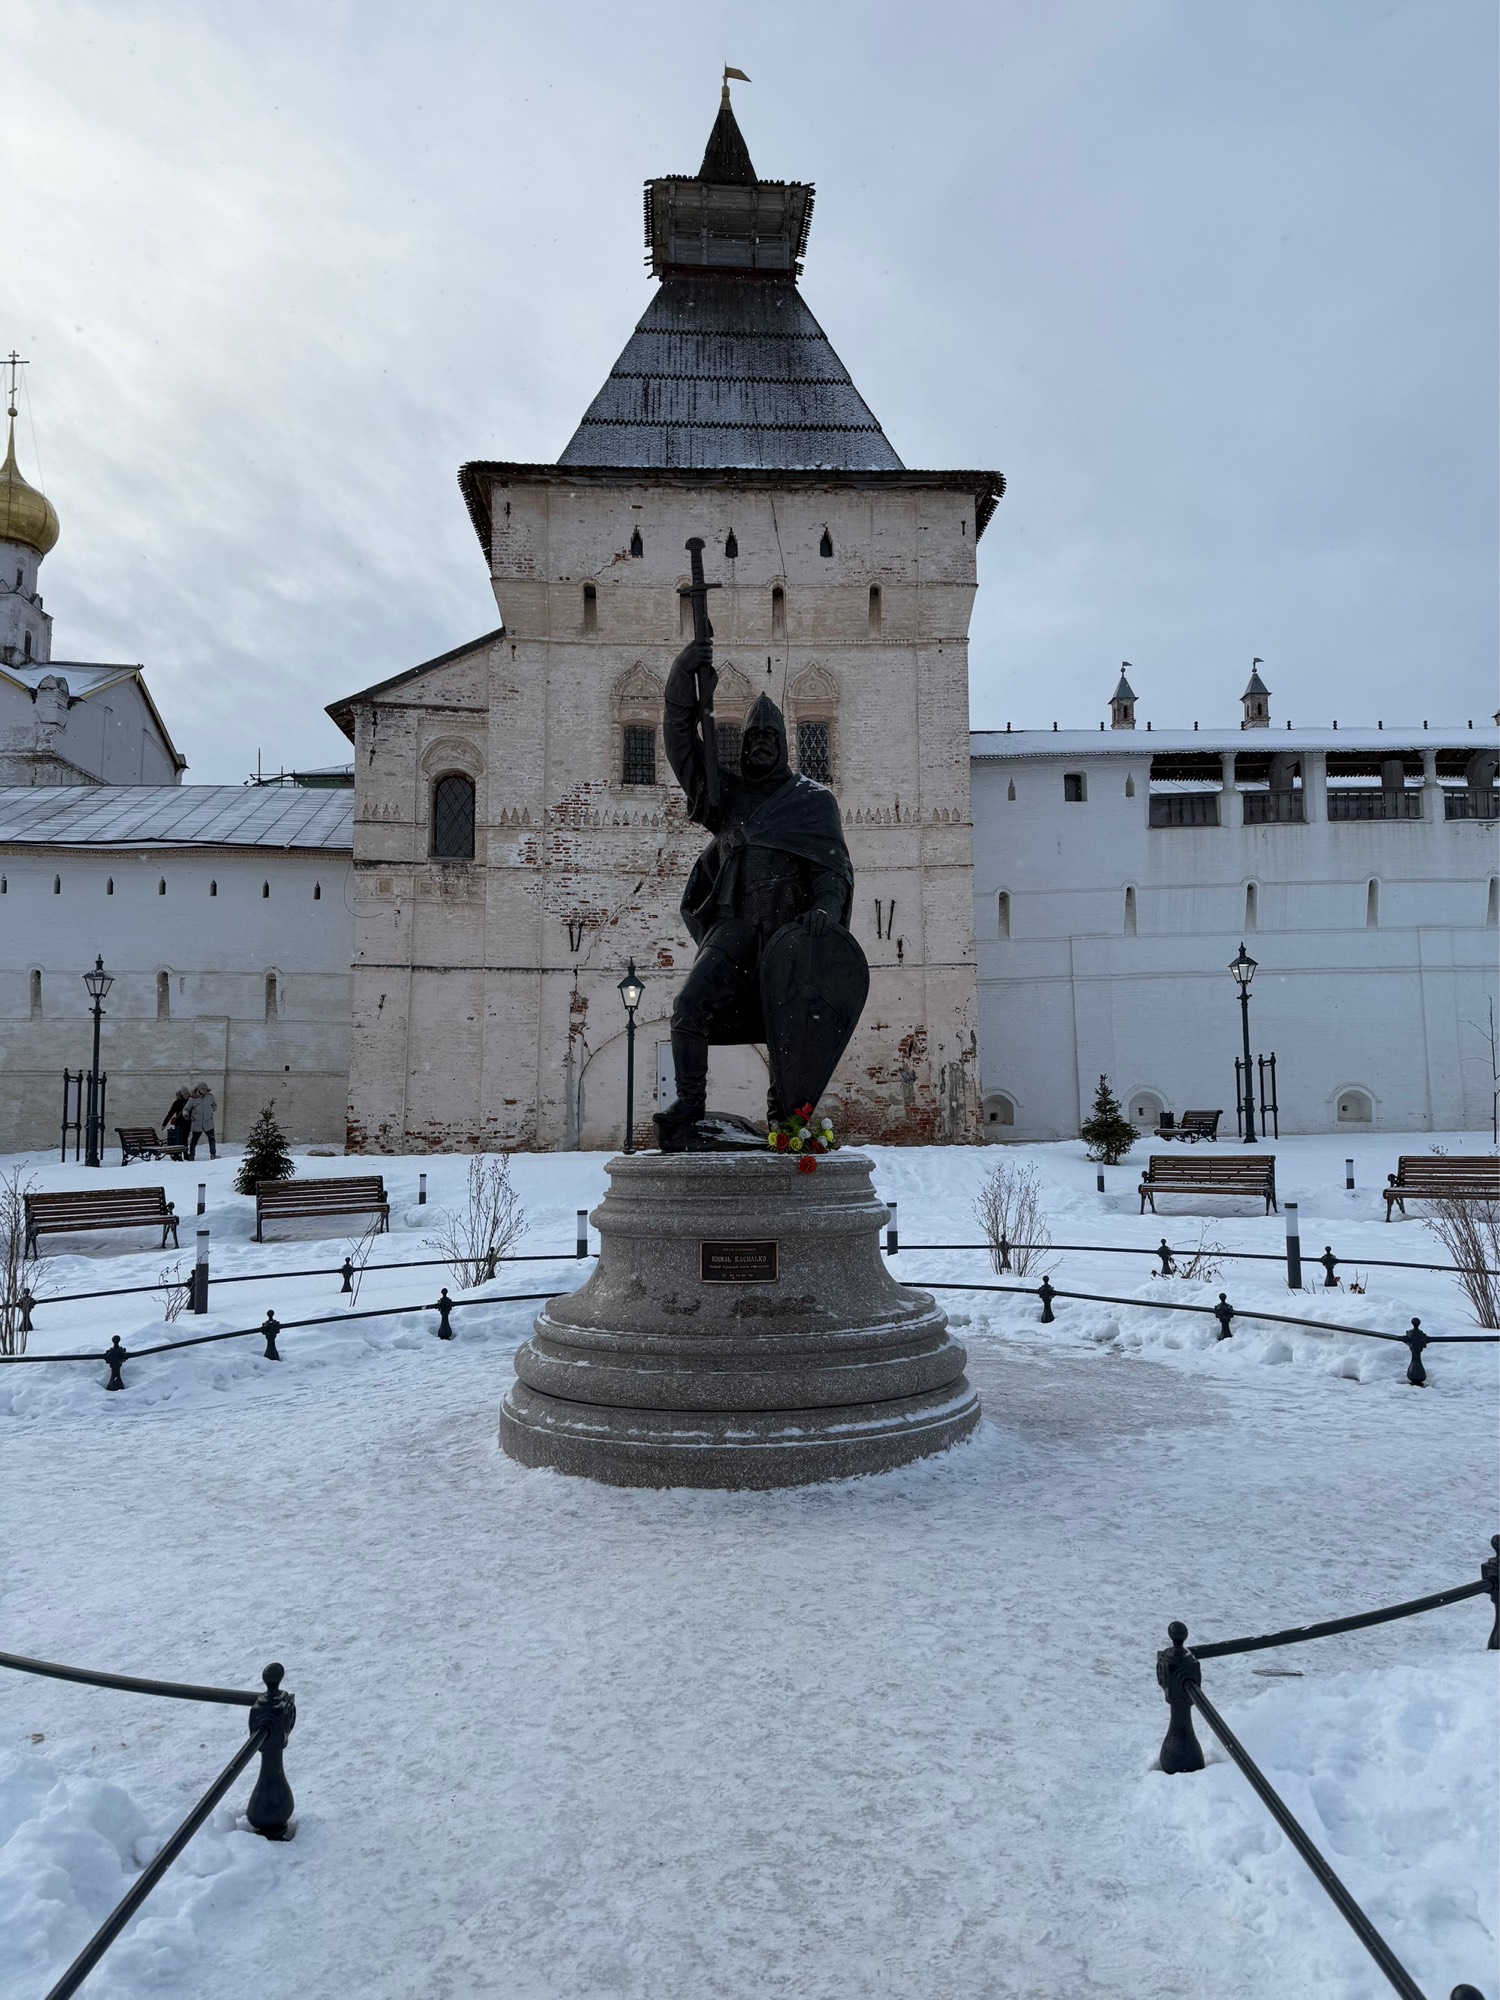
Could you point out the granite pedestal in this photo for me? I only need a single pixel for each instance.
(741, 1329)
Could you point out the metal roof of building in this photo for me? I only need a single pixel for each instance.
(728, 371)
(281, 816)
(1139, 742)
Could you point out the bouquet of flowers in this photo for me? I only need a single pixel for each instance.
(804, 1135)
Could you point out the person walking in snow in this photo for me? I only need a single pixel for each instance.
(204, 1111)
(176, 1123)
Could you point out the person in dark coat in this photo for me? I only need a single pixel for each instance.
(176, 1123)
(778, 857)
(201, 1118)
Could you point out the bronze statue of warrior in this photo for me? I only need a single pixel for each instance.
(767, 903)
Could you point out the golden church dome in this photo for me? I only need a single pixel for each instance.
(25, 515)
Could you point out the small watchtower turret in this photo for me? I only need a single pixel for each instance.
(1257, 700)
(1122, 702)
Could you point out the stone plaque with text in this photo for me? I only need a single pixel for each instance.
(737, 1263)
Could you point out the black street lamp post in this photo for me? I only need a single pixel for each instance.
(98, 983)
(631, 988)
(1243, 969)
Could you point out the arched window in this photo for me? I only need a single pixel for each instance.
(161, 886)
(825, 546)
(265, 890)
(1252, 905)
(109, 886)
(273, 997)
(1004, 909)
(874, 607)
(1010, 791)
(1129, 785)
(731, 548)
(638, 760)
(213, 888)
(36, 995)
(1372, 906)
(778, 612)
(317, 892)
(637, 546)
(1355, 1107)
(26, 648)
(815, 750)
(813, 699)
(999, 1109)
(1491, 915)
(57, 885)
(1129, 911)
(163, 996)
(453, 818)
(4, 886)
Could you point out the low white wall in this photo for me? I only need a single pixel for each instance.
(216, 950)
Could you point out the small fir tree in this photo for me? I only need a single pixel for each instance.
(266, 1157)
(1107, 1132)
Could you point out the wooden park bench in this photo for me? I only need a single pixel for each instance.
(1442, 1177)
(350, 1194)
(1217, 1173)
(139, 1142)
(99, 1208)
(1192, 1126)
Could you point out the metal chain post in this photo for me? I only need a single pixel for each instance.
(116, 1355)
(1176, 1670)
(346, 1272)
(1415, 1340)
(1224, 1313)
(271, 1803)
(443, 1308)
(1168, 1268)
(271, 1328)
(1330, 1265)
(1046, 1294)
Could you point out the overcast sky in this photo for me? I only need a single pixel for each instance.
(1214, 285)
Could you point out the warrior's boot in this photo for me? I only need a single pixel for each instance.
(676, 1126)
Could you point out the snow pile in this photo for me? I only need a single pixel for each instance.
(1393, 1774)
(70, 1847)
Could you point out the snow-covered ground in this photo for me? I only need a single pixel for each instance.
(890, 1737)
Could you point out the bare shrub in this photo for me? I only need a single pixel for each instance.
(474, 1239)
(17, 1266)
(1204, 1261)
(357, 1255)
(1470, 1232)
(1008, 1208)
(176, 1292)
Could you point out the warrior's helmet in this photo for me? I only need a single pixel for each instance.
(765, 715)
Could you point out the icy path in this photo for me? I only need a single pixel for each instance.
(885, 1739)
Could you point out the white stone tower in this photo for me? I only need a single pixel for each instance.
(486, 960)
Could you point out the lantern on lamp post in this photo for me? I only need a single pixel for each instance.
(98, 983)
(631, 988)
(1242, 968)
